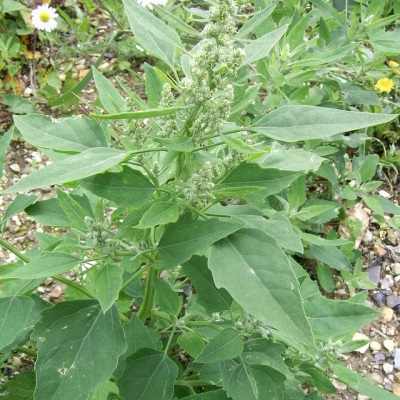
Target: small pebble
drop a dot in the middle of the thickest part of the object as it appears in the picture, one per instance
(396, 268)
(379, 298)
(396, 389)
(375, 378)
(397, 358)
(387, 282)
(374, 273)
(388, 344)
(362, 397)
(375, 346)
(387, 314)
(393, 301)
(379, 357)
(388, 368)
(15, 168)
(397, 309)
(379, 250)
(391, 331)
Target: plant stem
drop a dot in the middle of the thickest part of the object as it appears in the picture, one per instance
(205, 324)
(13, 250)
(135, 275)
(29, 352)
(149, 295)
(171, 336)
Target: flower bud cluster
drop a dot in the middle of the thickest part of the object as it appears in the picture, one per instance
(216, 61)
(167, 122)
(99, 235)
(201, 182)
(251, 325)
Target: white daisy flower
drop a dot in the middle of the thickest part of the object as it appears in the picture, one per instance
(149, 3)
(44, 18)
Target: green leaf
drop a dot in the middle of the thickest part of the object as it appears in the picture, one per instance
(72, 210)
(161, 213)
(256, 272)
(103, 390)
(227, 345)
(290, 159)
(79, 166)
(49, 264)
(18, 204)
(362, 385)
(148, 113)
(386, 205)
(386, 41)
(154, 35)
(129, 188)
(255, 383)
(107, 283)
(208, 296)
(20, 387)
(317, 211)
(249, 95)
(149, 375)
(256, 20)
(187, 236)
(331, 256)
(252, 176)
(319, 241)
(219, 394)
(49, 213)
(168, 299)
(153, 86)
(260, 47)
(4, 143)
(178, 143)
(325, 278)
(64, 134)
(191, 342)
(353, 94)
(73, 337)
(14, 314)
(295, 123)
(110, 98)
(240, 146)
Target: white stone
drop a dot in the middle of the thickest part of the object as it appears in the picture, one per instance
(15, 168)
(388, 345)
(388, 368)
(375, 346)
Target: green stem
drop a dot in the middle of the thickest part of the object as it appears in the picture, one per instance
(194, 209)
(30, 352)
(171, 336)
(149, 296)
(205, 324)
(111, 14)
(135, 275)
(13, 250)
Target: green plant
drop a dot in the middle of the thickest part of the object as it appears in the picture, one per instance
(186, 214)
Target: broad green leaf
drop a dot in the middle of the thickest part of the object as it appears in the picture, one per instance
(176, 142)
(290, 159)
(317, 211)
(49, 213)
(14, 314)
(148, 113)
(4, 143)
(255, 383)
(362, 385)
(279, 227)
(72, 338)
(249, 95)
(257, 19)
(107, 283)
(296, 123)
(386, 205)
(317, 378)
(159, 214)
(167, 299)
(103, 390)
(219, 394)
(208, 296)
(110, 98)
(149, 375)
(72, 210)
(128, 188)
(20, 202)
(79, 166)
(228, 344)
(153, 35)
(255, 271)
(386, 41)
(332, 319)
(240, 146)
(260, 47)
(331, 256)
(49, 264)
(316, 59)
(191, 342)
(252, 176)
(153, 86)
(77, 133)
(187, 236)
(319, 241)
(353, 94)
(20, 387)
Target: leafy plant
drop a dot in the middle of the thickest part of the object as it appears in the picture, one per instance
(187, 219)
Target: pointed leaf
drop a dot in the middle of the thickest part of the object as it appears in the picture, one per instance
(226, 345)
(108, 282)
(49, 213)
(149, 375)
(126, 188)
(161, 213)
(153, 86)
(72, 210)
(77, 133)
(18, 204)
(79, 166)
(20, 387)
(154, 35)
(72, 338)
(295, 123)
(211, 298)
(192, 343)
(168, 299)
(49, 264)
(187, 236)
(332, 256)
(4, 142)
(256, 272)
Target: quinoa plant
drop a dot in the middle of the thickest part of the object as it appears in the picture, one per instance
(186, 222)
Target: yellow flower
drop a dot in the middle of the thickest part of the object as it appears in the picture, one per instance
(394, 64)
(384, 85)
